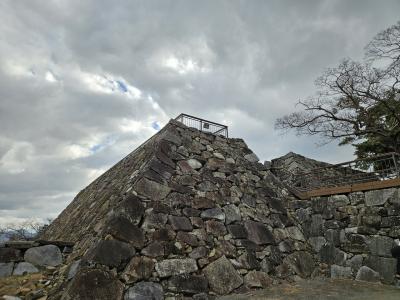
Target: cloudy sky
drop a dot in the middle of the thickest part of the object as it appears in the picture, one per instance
(83, 83)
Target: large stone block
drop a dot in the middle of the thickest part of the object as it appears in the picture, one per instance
(180, 223)
(9, 255)
(132, 208)
(6, 269)
(385, 266)
(222, 276)
(122, 229)
(301, 262)
(258, 233)
(111, 253)
(48, 255)
(380, 197)
(145, 291)
(175, 266)
(339, 200)
(367, 274)
(213, 213)
(232, 213)
(257, 279)
(237, 231)
(94, 284)
(329, 254)
(24, 268)
(317, 242)
(152, 189)
(188, 284)
(340, 272)
(380, 245)
(295, 233)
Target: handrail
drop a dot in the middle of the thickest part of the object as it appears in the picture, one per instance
(203, 124)
(383, 167)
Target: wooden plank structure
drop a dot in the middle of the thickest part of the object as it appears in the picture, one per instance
(345, 189)
(381, 172)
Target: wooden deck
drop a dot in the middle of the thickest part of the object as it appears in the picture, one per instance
(345, 189)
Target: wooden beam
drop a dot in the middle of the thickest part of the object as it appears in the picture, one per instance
(345, 189)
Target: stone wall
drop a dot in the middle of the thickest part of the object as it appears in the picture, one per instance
(352, 235)
(21, 258)
(190, 214)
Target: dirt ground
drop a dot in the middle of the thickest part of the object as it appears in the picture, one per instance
(323, 289)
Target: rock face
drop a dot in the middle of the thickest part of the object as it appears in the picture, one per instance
(354, 233)
(222, 276)
(49, 255)
(190, 210)
(94, 284)
(190, 213)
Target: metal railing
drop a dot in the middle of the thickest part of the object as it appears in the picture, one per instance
(377, 168)
(203, 125)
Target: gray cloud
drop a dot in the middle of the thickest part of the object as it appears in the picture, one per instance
(82, 83)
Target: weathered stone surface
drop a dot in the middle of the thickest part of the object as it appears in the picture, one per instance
(379, 197)
(258, 233)
(139, 268)
(94, 284)
(6, 269)
(198, 252)
(187, 238)
(48, 255)
(194, 163)
(154, 249)
(232, 213)
(237, 231)
(386, 267)
(202, 203)
(155, 221)
(222, 276)
(185, 167)
(317, 225)
(215, 228)
(23, 268)
(367, 274)
(213, 213)
(257, 279)
(380, 245)
(73, 269)
(180, 223)
(340, 272)
(295, 233)
(145, 291)
(331, 255)
(301, 262)
(251, 157)
(122, 229)
(152, 189)
(333, 236)
(111, 253)
(169, 267)
(355, 262)
(317, 242)
(9, 255)
(207, 186)
(188, 284)
(132, 208)
(339, 200)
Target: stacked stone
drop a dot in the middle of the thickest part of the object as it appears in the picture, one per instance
(352, 235)
(19, 258)
(198, 217)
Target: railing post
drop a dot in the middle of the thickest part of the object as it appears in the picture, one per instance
(396, 167)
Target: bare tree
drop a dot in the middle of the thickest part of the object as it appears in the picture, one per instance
(356, 103)
(27, 230)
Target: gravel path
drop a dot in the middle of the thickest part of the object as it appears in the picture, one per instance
(323, 289)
